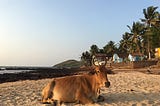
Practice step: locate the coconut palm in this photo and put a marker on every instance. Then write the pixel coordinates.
(94, 49)
(150, 20)
(150, 15)
(125, 43)
(86, 58)
(157, 23)
(136, 32)
(110, 48)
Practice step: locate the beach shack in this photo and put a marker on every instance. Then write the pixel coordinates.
(116, 58)
(135, 57)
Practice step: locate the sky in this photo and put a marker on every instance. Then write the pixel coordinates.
(47, 32)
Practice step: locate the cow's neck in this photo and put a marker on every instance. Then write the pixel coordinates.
(94, 80)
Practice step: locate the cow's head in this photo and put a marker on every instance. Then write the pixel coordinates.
(99, 62)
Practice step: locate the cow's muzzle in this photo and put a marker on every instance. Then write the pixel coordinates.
(107, 84)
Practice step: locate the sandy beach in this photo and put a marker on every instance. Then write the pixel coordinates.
(127, 89)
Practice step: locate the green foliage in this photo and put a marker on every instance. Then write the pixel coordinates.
(151, 20)
(143, 38)
(125, 44)
(150, 15)
(136, 31)
(86, 58)
(110, 48)
(94, 49)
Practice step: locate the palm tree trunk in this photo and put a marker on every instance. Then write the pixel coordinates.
(149, 53)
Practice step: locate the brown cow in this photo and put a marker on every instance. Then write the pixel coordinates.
(78, 88)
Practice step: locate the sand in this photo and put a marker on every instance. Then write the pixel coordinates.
(127, 89)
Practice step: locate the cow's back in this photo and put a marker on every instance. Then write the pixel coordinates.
(67, 89)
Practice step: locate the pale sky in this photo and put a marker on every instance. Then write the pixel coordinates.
(46, 32)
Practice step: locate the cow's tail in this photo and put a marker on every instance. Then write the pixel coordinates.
(47, 92)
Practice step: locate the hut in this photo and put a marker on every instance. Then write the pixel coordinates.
(136, 57)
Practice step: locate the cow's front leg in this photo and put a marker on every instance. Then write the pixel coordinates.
(57, 103)
(100, 98)
(84, 99)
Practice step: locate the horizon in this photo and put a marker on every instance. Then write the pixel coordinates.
(45, 33)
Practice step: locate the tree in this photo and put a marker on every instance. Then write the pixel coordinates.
(150, 15)
(136, 32)
(94, 49)
(110, 48)
(156, 32)
(150, 20)
(125, 44)
(86, 58)
(157, 21)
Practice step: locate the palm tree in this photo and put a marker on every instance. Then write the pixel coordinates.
(94, 49)
(150, 15)
(157, 23)
(156, 32)
(110, 48)
(136, 32)
(150, 20)
(86, 58)
(125, 43)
